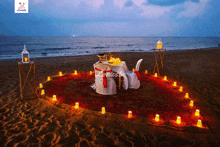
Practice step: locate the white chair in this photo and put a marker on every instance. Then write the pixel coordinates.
(133, 81)
(104, 86)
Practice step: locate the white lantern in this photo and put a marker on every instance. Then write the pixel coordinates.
(25, 55)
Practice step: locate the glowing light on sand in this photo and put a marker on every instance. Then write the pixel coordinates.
(48, 78)
(133, 69)
(174, 84)
(181, 89)
(25, 59)
(54, 98)
(40, 85)
(197, 112)
(157, 118)
(165, 78)
(178, 120)
(187, 95)
(42, 92)
(199, 123)
(191, 104)
(129, 114)
(76, 105)
(90, 72)
(60, 73)
(145, 71)
(75, 72)
(155, 75)
(103, 110)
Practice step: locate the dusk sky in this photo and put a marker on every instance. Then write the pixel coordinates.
(181, 18)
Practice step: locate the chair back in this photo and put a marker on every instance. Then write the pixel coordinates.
(138, 64)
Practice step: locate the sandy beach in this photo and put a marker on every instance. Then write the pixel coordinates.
(37, 122)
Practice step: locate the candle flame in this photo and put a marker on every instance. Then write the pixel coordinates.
(103, 110)
(174, 84)
(178, 120)
(60, 73)
(165, 78)
(75, 72)
(197, 112)
(25, 59)
(181, 89)
(157, 118)
(191, 103)
(40, 85)
(155, 75)
(129, 114)
(187, 95)
(76, 105)
(48, 78)
(199, 123)
(42, 92)
(54, 98)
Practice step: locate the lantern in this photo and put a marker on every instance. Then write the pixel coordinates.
(145, 71)
(155, 75)
(129, 114)
(48, 78)
(181, 89)
(187, 95)
(60, 73)
(40, 85)
(103, 110)
(76, 105)
(54, 98)
(42, 92)
(75, 72)
(165, 78)
(174, 84)
(197, 112)
(199, 123)
(191, 103)
(157, 118)
(178, 120)
(159, 44)
(25, 55)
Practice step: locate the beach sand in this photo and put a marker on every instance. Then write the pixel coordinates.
(37, 122)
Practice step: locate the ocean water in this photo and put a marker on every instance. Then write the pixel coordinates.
(12, 46)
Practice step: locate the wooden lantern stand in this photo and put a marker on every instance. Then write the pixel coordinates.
(20, 65)
(158, 57)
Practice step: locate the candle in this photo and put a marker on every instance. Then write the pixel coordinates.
(145, 71)
(103, 110)
(191, 103)
(48, 78)
(181, 89)
(157, 118)
(90, 72)
(54, 98)
(75, 72)
(197, 112)
(60, 73)
(174, 84)
(25, 59)
(155, 75)
(199, 123)
(76, 105)
(178, 120)
(165, 78)
(133, 69)
(187, 95)
(129, 114)
(40, 85)
(42, 92)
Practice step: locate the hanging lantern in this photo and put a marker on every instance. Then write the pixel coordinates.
(42, 92)
(174, 84)
(159, 44)
(25, 55)
(40, 85)
(54, 98)
(191, 103)
(197, 112)
(60, 73)
(181, 89)
(75, 72)
(48, 78)
(103, 110)
(165, 78)
(129, 114)
(76, 105)
(155, 75)
(178, 120)
(187, 95)
(199, 123)
(157, 118)
(145, 71)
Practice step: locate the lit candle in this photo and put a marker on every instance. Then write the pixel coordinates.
(157, 118)
(145, 71)
(48, 78)
(187, 95)
(54, 98)
(40, 85)
(90, 72)
(197, 112)
(129, 114)
(42, 92)
(133, 69)
(155, 75)
(181, 89)
(165, 78)
(178, 120)
(199, 123)
(191, 103)
(103, 110)
(60, 73)
(174, 84)
(75, 72)
(25, 59)
(76, 105)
